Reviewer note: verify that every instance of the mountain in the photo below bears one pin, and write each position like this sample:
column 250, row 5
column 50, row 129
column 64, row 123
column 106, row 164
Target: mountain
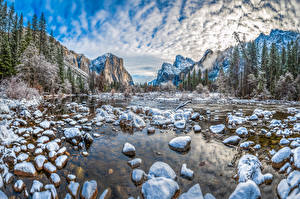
column 112, row 69
column 215, row 60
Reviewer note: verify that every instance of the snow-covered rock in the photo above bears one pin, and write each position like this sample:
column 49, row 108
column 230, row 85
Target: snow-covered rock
column 186, row 172
column 134, row 163
column 89, row 190
column 180, row 124
column 19, row 186
column 241, row 131
column 7, row 136
column 161, row 169
column 138, row 176
column 296, row 127
column 128, row 149
column 232, row 140
column 61, row 161
column 193, row 193
column 49, row 167
column 247, row 144
column 160, row 187
column 73, row 188
column 281, row 157
column 45, row 124
column 197, row 128
column 39, row 162
column 72, row 133
column 55, row 179
column 181, row 143
column 283, row 189
column 217, row 128
column 25, row 169
column 246, row 190
column 42, row 195
column 296, row 155
column 293, row 179
column 36, row 186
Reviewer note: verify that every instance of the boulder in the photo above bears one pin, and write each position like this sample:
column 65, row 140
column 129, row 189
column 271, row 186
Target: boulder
column 281, row 157
column 180, row 144
column 246, row 190
column 193, row 193
column 89, row 190
column 161, row 169
column 217, row 128
column 128, row 149
column 160, row 187
column 25, row 169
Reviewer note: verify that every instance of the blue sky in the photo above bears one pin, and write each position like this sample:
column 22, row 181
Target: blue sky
column 148, row 33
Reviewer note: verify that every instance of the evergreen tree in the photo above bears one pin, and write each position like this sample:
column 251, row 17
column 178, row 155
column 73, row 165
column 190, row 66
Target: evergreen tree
column 14, row 42
column 206, row 80
column 199, row 80
column 283, row 61
column 6, row 68
column 60, row 63
column 10, row 23
column 272, row 68
column 189, row 81
column 264, row 58
column 34, row 27
column 253, row 58
column 234, row 69
column 194, row 80
column 43, row 36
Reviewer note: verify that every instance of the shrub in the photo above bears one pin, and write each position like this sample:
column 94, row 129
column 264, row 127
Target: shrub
column 15, row 88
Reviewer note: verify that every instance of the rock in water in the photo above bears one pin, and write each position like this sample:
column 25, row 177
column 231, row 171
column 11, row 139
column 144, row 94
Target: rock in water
column 71, row 133
column 73, row 188
column 181, row 143
column 217, row 128
column 159, row 188
column 283, row 189
column 242, row 131
column 138, row 176
column 136, row 162
column 42, row 195
column 296, row 163
column 161, row 169
column 19, row 186
column 128, row 149
column 180, row 124
column 25, row 169
column 246, row 190
column 89, row 190
column 193, row 193
column 106, row 194
column 232, row 140
column 186, row 172
column 281, row 157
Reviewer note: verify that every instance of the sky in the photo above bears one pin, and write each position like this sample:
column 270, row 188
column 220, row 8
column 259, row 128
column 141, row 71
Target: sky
column 146, row 33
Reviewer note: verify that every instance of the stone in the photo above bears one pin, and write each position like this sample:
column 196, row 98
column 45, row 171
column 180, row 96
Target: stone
column 181, row 143
column 241, row 131
column 281, row 157
column 71, row 133
column 151, row 130
column 180, row 124
column 106, row 194
column 19, row 186
column 128, row 149
column 186, row 172
column 283, row 189
column 55, row 179
column 234, row 140
column 134, row 163
column 39, row 162
column 217, row 128
column 138, row 176
column 293, row 179
column 71, row 177
column 45, row 124
column 42, row 195
column 36, row 186
column 197, row 128
column 61, row 161
column 160, row 187
column 161, row 169
column 49, row 167
column 73, row 188
column 296, row 156
column 193, row 193
column 246, row 190
column 25, row 169
column 89, row 190
column 52, row 146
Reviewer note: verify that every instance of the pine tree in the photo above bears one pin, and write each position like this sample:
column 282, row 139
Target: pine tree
column 221, row 81
column 34, row 27
column 6, row 68
column 189, row 81
column 43, row 36
column 60, row 63
column 234, row 69
column 264, row 58
column 21, row 38
column 199, row 80
column 273, row 68
column 253, row 58
column 11, row 17
column 14, row 42
column 194, row 83
column 283, row 61
column 206, row 80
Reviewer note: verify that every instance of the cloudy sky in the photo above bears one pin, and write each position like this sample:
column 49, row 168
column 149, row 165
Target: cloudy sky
column 148, row 33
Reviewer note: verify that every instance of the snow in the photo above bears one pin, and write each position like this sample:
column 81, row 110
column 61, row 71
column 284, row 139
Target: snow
column 249, row 168
column 209, row 196
column 161, row 169
column 242, row 131
column 106, row 193
column 284, row 141
column 296, row 127
column 246, row 190
column 181, row 143
column 193, row 193
column 42, row 139
column 22, row 157
column 232, row 140
column 128, row 149
column 52, row 146
column 160, row 188
column 247, row 144
column 25, row 169
column 19, row 185
column 7, row 136
column 235, row 120
column 217, row 128
column 280, row 157
column 89, row 189
column 186, row 172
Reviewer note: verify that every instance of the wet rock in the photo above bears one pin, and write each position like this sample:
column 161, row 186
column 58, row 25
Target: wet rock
column 73, row 188
column 71, row 177
column 181, row 143
column 281, row 157
column 162, row 188
column 193, row 193
column 241, row 131
column 197, row 128
column 61, row 161
column 128, row 149
column 138, row 176
column 186, row 172
column 49, row 167
column 161, row 169
column 25, row 169
column 249, row 168
column 151, row 130
column 19, row 186
column 284, row 141
column 246, row 190
column 36, row 186
column 296, row 127
column 55, row 179
column 180, row 124
column 106, row 194
column 283, row 189
column 88, row 139
column 89, row 190
column 42, row 195
column 217, row 128
column 234, row 140
column 39, row 162
column 296, row 156
column 134, row 163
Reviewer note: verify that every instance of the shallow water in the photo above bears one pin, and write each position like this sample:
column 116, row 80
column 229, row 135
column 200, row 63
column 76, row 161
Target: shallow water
column 213, row 163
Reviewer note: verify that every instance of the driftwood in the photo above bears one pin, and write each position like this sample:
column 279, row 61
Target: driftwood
column 183, row 105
